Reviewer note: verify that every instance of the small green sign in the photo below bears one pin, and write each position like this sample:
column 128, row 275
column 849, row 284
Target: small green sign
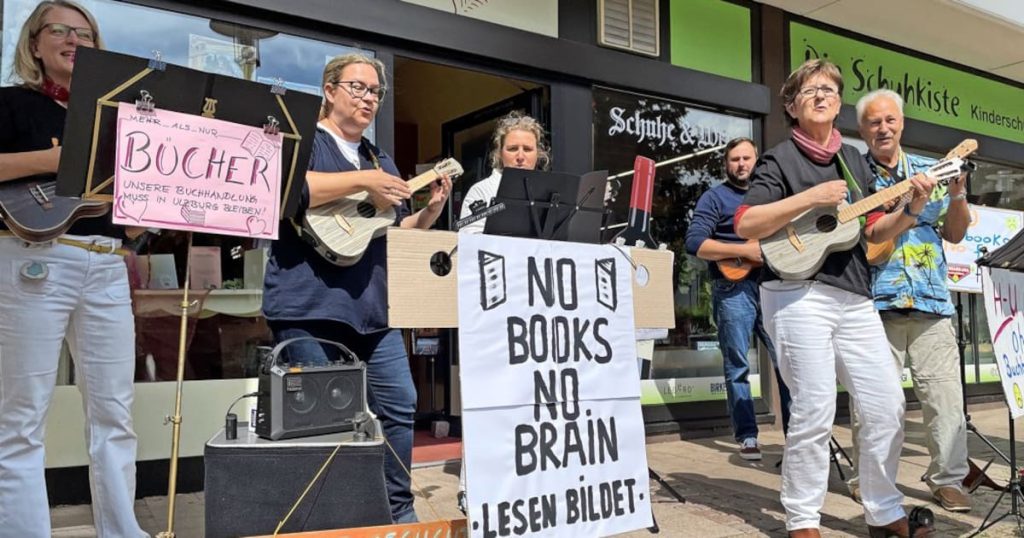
column 711, row 36
column 933, row 93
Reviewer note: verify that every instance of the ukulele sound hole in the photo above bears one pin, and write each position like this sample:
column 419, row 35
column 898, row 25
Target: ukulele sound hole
column 366, row 210
column 826, row 223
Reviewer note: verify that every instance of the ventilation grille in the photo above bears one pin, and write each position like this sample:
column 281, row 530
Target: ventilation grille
column 629, row 24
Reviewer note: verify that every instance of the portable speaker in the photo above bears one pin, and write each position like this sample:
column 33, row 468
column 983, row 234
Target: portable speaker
column 309, row 400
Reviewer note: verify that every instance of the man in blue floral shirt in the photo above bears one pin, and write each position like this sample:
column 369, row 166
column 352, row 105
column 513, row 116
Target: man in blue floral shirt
column 913, row 299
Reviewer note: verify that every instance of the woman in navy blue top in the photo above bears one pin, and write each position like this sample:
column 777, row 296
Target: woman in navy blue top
column 306, row 295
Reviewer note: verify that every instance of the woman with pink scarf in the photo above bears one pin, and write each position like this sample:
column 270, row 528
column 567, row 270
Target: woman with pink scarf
column 827, row 326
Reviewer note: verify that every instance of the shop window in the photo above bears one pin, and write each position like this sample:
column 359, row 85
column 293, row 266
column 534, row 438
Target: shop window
column 630, row 25
column 687, row 365
column 225, row 326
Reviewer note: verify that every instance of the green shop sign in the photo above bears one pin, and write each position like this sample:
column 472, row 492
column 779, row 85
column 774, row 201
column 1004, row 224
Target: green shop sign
column 933, row 93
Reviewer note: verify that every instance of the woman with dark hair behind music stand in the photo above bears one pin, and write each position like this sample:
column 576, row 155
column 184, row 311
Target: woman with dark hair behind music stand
column 74, row 287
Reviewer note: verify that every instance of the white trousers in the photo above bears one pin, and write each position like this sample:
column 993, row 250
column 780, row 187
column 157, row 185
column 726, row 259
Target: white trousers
column 84, row 297
column 820, row 332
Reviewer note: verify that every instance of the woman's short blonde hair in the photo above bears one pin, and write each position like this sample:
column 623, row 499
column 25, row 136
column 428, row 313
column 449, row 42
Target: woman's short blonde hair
column 797, row 78
column 333, row 69
column 29, row 69
column 517, row 121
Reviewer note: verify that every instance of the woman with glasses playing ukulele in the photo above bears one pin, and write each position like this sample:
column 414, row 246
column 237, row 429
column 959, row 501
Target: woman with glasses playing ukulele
column 825, row 325
column 72, row 287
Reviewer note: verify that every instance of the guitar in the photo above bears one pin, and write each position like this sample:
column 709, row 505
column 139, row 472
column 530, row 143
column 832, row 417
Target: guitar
column 736, row 269
column 342, row 229
column 32, row 210
column 879, row 253
column 797, row 250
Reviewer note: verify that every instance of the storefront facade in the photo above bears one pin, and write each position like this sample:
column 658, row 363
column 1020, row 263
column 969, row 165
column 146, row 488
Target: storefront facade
column 711, row 73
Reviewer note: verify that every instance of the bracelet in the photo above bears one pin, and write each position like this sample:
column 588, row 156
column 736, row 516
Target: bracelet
column 958, row 197
column 909, row 213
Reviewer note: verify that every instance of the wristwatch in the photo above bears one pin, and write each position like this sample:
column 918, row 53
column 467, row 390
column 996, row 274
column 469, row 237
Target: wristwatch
column 958, row 197
column 909, row 213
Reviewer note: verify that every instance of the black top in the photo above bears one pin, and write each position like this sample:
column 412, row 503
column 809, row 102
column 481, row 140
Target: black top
column 301, row 285
column 29, row 121
column 784, row 171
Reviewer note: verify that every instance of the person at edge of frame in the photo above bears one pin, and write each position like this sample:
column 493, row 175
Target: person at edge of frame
column 73, row 288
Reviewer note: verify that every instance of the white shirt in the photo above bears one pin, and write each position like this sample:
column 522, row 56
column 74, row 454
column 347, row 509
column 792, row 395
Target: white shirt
column 349, row 150
column 482, row 191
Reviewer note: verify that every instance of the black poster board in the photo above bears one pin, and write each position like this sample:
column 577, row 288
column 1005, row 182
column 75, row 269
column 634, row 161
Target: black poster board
column 549, row 205
column 103, row 79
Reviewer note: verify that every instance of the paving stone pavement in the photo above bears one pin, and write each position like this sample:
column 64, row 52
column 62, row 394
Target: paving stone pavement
column 726, row 496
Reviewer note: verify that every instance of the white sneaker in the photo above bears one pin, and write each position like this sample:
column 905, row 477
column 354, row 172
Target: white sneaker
column 749, row 449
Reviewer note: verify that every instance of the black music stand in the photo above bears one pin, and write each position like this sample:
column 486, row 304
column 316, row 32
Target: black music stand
column 1011, row 257
column 549, row 205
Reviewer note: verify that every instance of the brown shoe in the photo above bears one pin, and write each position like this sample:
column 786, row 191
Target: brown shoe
column 953, row 499
column 805, row 533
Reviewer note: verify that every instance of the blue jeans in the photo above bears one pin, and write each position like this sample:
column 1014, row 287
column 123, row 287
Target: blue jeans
column 737, row 312
column 391, row 393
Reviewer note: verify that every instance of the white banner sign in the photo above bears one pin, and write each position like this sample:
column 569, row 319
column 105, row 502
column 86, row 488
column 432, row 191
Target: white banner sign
column 990, row 228
column 552, row 429
column 1004, row 295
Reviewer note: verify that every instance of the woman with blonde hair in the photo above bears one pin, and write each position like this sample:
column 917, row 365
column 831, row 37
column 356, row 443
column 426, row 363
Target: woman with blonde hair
column 74, row 288
column 518, row 142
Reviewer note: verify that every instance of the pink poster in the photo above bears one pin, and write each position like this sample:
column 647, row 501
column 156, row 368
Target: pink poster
column 185, row 172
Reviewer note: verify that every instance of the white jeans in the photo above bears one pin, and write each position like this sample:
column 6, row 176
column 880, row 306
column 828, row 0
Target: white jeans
column 820, row 332
column 84, row 297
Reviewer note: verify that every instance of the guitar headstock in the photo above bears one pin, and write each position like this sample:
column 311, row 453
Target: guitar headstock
column 448, row 167
column 952, row 165
column 963, row 149
column 946, row 170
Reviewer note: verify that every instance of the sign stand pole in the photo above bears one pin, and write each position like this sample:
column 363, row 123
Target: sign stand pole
column 1013, row 488
column 175, row 420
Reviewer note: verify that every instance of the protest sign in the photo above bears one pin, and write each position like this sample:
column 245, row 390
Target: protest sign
column 1004, row 295
column 552, row 428
column 191, row 173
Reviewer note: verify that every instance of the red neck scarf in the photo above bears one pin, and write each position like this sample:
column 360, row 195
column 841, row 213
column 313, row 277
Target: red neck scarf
column 55, row 91
column 815, row 151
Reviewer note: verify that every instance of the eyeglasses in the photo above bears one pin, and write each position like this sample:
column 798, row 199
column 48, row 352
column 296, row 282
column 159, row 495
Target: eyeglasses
column 827, row 92
column 358, row 90
column 61, row 31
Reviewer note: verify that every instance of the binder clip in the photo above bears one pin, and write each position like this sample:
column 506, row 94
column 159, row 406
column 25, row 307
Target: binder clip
column 272, row 127
column 156, row 63
column 278, row 87
column 145, row 103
